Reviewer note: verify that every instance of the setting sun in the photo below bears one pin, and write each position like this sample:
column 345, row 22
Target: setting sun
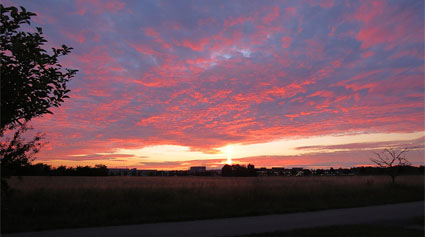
column 229, row 154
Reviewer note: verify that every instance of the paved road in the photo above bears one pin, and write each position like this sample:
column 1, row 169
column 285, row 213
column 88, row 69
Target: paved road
column 248, row 225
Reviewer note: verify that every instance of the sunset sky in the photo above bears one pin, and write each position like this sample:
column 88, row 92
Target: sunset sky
column 173, row 84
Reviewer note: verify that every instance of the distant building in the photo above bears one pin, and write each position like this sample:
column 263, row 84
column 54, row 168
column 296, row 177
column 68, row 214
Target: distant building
column 262, row 171
column 213, row 172
column 296, row 171
column 278, row 171
column 119, row 171
column 129, row 172
column 197, row 169
column 163, row 173
column 146, row 172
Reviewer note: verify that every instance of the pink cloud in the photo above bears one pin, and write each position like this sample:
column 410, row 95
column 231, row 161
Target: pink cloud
column 324, row 93
column 231, row 21
column 286, row 42
column 409, row 53
column 149, row 121
column 367, row 11
column 43, row 18
column 98, row 6
column 368, row 54
column 326, row 4
column 272, row 16
column 290, row 11
column 382, row 26
column 196, row 46
column 78, row 37
column 152, row 33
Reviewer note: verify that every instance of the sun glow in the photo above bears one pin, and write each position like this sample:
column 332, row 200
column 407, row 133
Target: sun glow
column 229, row 154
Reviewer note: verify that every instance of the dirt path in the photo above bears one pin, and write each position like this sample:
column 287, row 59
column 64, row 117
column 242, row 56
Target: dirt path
column 248, row 225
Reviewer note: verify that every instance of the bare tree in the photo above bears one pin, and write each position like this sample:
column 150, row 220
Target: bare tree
column 392, row 159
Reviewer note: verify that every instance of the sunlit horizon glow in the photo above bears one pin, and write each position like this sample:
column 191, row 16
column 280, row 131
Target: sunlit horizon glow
column 171, row 157
column 166, row 85
column 229, row 154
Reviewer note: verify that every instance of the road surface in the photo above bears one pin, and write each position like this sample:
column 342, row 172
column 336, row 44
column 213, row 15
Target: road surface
column 248, row 225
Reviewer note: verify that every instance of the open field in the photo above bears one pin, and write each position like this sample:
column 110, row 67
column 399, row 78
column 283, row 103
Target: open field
column 41, row 203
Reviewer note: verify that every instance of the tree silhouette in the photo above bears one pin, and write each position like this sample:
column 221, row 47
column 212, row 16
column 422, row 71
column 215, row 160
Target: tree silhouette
column 238, row 170
column 227, row 171
column 392, row 159
column 32, row 81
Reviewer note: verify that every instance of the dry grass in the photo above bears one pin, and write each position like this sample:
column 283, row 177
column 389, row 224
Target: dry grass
column 65, row 202
column 76, row 182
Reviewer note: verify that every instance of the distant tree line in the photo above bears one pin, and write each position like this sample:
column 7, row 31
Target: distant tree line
column 41, row 169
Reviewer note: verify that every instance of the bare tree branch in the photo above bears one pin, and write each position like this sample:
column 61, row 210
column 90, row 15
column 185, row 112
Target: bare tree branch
column 391, row 158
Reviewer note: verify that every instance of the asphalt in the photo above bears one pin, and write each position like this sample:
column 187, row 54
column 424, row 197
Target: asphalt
column 247, row 225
